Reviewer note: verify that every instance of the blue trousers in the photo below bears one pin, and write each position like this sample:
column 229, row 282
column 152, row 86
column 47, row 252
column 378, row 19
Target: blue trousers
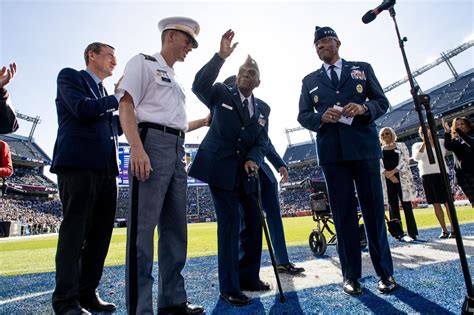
column 271, row 205
column 340, row 179
column 239, row 238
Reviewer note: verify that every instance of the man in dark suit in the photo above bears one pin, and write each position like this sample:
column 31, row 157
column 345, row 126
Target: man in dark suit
column 85, row 160
column 227, row 158
column 271, row 203
column 340, row 102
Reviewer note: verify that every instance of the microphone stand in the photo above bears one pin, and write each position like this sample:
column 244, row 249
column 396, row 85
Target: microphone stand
column 423, row 101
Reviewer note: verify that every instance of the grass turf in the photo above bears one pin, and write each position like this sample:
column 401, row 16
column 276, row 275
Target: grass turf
column 36, row 254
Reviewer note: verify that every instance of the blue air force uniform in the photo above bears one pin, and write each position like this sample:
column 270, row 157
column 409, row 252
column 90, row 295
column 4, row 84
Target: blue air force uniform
column 348, row 154
column 232, row 140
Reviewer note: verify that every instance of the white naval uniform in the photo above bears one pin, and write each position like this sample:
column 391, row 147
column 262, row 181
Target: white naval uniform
column 160, row 201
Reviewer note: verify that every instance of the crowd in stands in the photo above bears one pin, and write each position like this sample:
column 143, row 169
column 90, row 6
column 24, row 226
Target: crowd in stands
column 31, row 177
column 122, row 203
column 38, row 216
column 45, row 215
column 200, row 207
column 299, row 173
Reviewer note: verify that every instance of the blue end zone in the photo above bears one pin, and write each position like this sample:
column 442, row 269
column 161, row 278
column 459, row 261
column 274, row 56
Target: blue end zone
column 437, row 287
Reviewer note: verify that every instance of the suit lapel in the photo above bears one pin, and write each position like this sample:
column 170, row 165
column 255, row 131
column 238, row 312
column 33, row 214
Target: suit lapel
column 323, row 77
column 256, row 111
column 344, row 72
column 238, row 105
column 93, row 88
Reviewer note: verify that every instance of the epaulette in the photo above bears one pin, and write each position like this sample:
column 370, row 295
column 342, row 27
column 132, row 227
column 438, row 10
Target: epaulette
column 148, row 57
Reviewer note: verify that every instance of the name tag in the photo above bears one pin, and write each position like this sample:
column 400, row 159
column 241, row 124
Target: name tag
column 164, row 75
column 227, row 106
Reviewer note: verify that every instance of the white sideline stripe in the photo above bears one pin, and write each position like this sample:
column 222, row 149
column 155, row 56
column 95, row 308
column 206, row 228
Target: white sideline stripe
column 25, row 297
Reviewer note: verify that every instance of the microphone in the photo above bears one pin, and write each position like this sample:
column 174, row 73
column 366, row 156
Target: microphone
column 372, row 14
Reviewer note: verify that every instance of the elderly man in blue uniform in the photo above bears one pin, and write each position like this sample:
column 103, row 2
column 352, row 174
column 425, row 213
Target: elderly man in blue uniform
column 227, row 158
column 85, row 160
column 271, row 203
column 154, row 121
column 340, row 102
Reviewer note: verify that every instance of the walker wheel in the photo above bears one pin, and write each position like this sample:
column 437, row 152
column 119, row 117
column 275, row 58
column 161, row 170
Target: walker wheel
column 317, row 243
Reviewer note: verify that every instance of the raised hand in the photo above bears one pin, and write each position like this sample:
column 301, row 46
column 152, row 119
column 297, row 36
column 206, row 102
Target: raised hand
column 6, row 75
column 446, row 126
column 227, row 47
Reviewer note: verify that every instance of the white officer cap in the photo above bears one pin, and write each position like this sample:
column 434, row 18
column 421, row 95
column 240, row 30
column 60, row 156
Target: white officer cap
column 186, row 25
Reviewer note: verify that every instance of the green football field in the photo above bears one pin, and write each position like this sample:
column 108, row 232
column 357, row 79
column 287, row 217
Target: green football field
column 36, row 254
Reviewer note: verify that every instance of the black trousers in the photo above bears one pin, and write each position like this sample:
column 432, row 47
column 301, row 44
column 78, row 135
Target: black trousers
column 89, row 201
column 394, row 192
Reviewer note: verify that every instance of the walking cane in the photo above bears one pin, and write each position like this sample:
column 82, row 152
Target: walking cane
column 267, row 237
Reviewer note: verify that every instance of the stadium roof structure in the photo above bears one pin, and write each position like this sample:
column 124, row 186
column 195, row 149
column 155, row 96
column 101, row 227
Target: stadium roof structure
column 26, row 152
column 451, row 96
column 300, row 152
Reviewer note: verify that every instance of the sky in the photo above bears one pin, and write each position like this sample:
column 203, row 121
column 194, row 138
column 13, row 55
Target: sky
column 43, row 37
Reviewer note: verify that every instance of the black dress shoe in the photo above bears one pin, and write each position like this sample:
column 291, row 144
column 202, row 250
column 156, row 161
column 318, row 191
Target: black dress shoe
column 181, row 309
column 352, row 287
column 258, row 286
column 387, row 285
column 289, row 268
column 94, row 303
column 74, row 310
column 238, row 299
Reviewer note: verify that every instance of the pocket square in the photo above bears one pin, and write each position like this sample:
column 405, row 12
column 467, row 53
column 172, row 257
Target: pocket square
column 227, row 106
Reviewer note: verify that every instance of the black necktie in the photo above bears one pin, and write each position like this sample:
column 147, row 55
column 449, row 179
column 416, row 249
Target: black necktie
column 334, row 78
column 101, row 89
column 246, row 109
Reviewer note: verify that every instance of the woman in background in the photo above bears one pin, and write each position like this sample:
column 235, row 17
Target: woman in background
column 460, row 139
column 432, row 180
column 397, row 180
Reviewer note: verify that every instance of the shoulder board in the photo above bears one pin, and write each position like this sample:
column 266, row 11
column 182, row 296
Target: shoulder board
column 148, row 57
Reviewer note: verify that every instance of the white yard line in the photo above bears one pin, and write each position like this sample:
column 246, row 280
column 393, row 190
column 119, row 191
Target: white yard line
column 25, row 297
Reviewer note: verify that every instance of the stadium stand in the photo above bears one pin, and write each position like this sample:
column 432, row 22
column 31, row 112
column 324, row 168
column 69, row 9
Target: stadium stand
column 449, row 99
column 32, row 198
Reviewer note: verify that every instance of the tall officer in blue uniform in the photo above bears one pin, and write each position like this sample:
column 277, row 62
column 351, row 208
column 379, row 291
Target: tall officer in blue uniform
column 340, row 102
column 85, row 160
column 232, row 150
column 271, row 203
